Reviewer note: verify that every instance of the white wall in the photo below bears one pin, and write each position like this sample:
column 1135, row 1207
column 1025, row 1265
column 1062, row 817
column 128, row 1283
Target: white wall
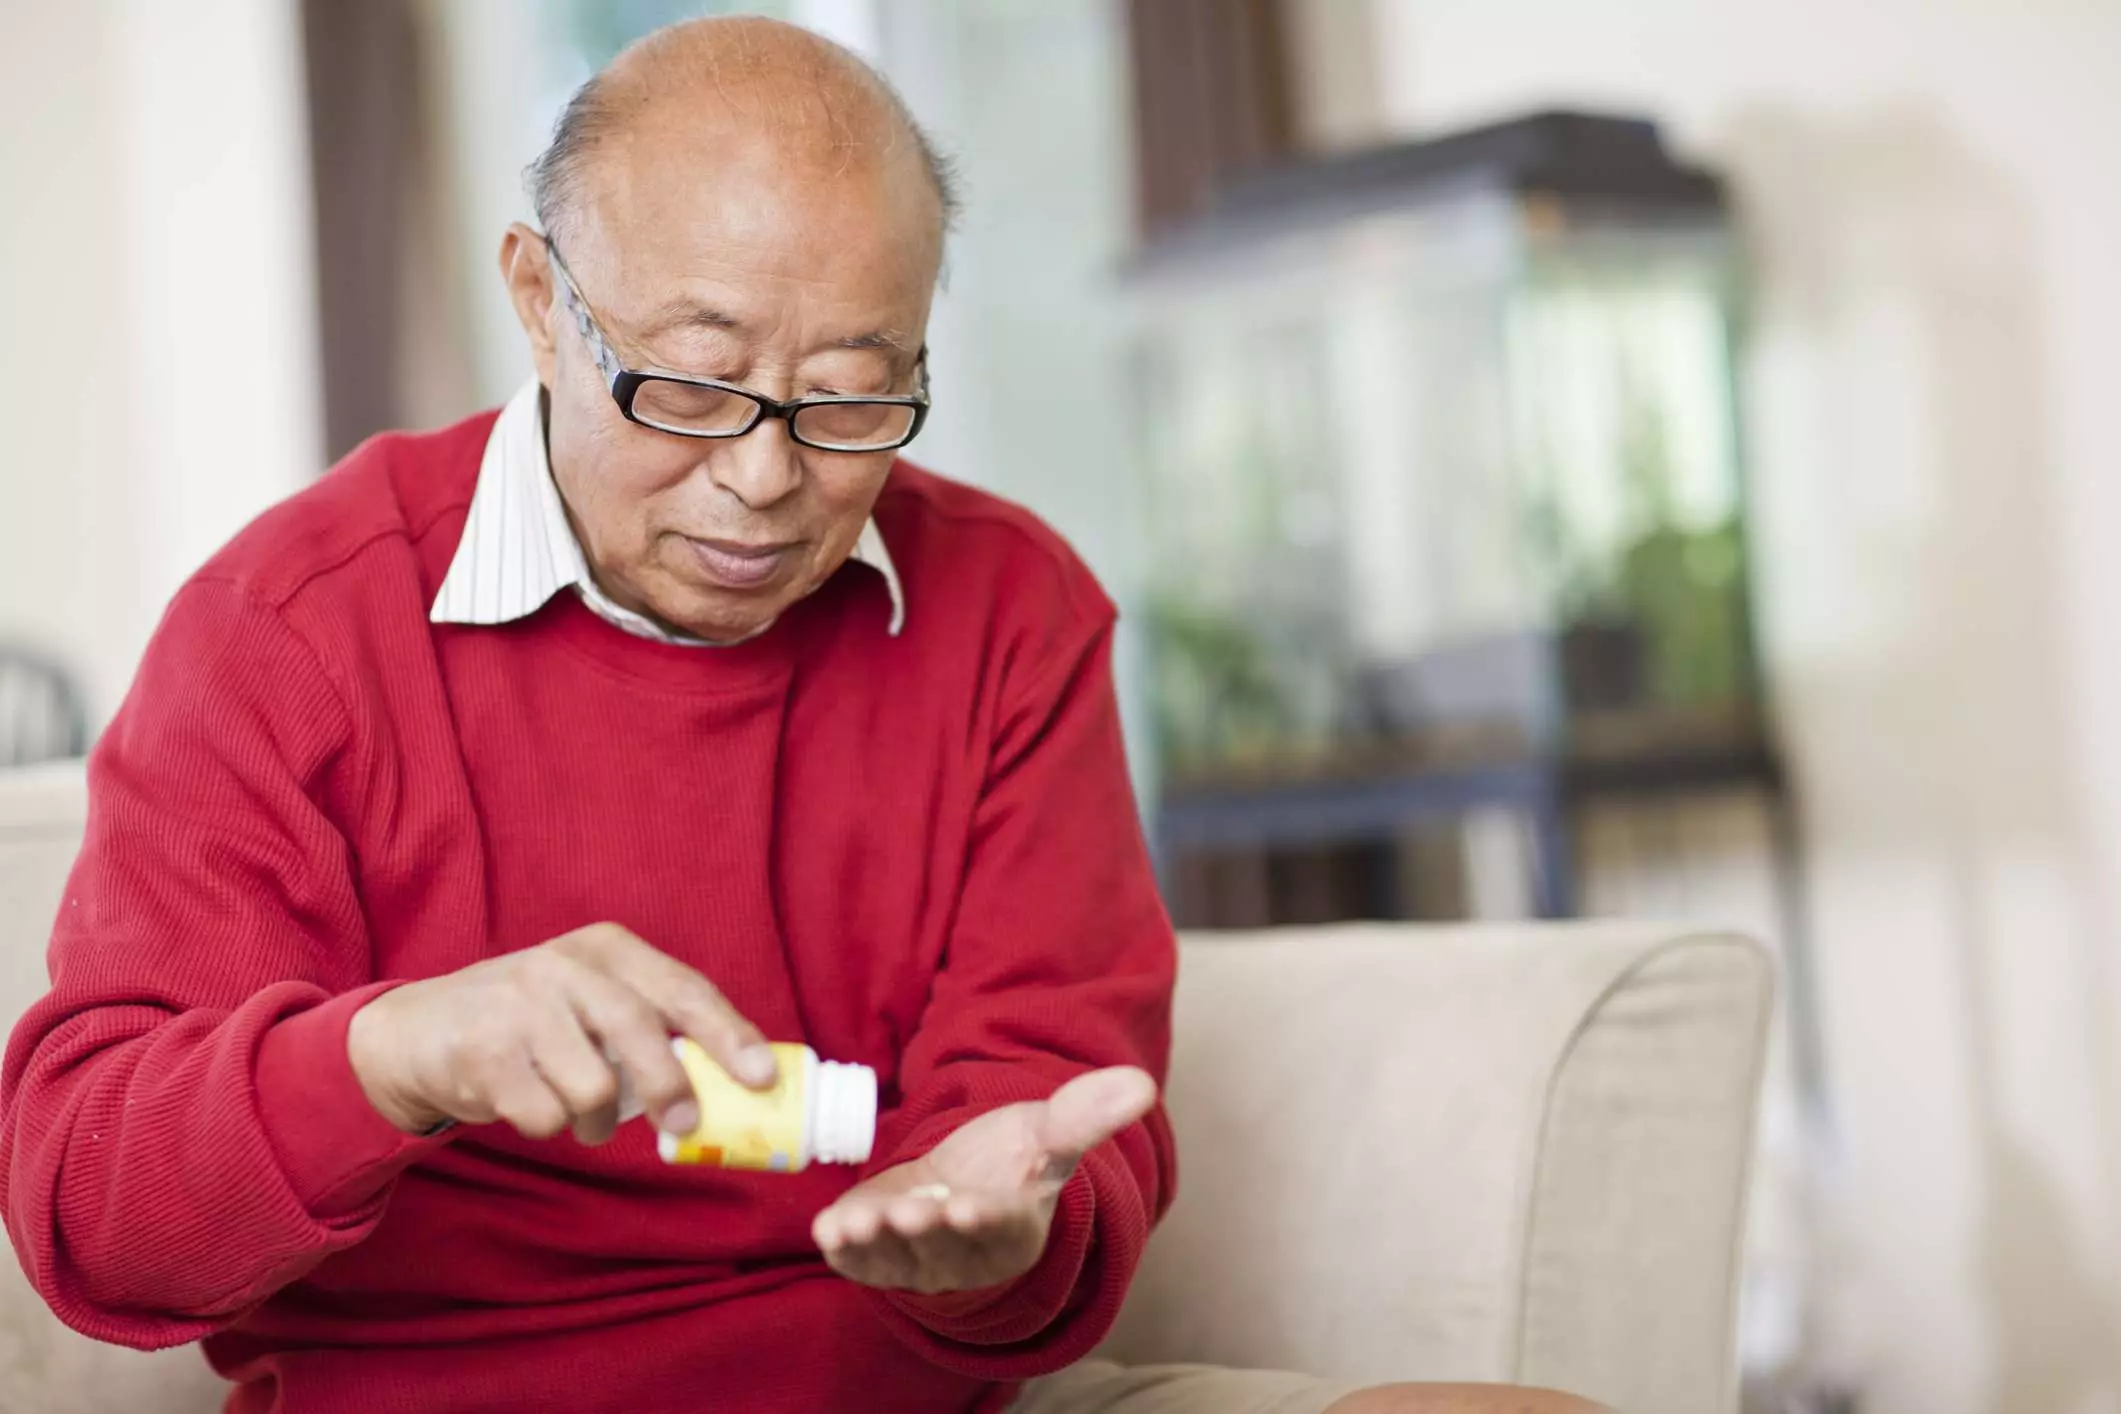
column 1931, row 193
column 158, row 384
column 63, row 467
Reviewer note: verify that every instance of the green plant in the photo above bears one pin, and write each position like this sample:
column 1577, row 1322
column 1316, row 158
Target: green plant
column 1682, row 587
column 1215, row 693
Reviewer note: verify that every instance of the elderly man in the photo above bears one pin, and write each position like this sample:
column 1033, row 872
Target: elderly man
column 664, row 702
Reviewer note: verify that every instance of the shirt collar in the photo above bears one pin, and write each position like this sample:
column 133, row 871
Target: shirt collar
column 518, row 549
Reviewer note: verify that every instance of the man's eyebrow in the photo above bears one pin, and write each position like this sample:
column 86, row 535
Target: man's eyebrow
column 682, row 314
column 878, row 339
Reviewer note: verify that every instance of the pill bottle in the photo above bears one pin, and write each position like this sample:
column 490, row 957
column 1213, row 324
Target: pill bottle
column 815, row 1112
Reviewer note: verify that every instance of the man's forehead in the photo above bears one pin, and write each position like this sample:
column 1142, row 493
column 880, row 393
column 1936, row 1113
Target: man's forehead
column 746, row 178
column 742, row 265
column 754, row 198
column 761, row 139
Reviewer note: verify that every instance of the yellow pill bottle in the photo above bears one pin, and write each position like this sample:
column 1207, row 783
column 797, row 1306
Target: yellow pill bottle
column 816, row 1112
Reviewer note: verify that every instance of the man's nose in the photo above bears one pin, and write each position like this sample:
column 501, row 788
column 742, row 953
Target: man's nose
column 758, row 468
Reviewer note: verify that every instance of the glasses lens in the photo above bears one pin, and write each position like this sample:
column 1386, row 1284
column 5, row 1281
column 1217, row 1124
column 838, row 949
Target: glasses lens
column 687, row 407
column 854, row 427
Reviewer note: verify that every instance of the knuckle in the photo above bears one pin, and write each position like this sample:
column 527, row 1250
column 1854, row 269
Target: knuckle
column 487, row 1053
column 535, row 1117
column 634, row 1019
column 487, row 1080
column 608, row 938
column 598, row 1088
column 463, row 1067
column 546, row 1125
column 544, row 971
column 639, row 1041
column 585, row 942
column 471, row 1101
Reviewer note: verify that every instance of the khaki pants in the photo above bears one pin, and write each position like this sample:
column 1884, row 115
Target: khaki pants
column 1098, row 1387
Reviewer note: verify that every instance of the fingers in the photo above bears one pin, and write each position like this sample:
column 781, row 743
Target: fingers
column 541, row 1074
column 883, row 1259
column 521, row 1097
column 884, row 1221
column 913, row 1215
column 597, row 1128
column 686, row 1001
column 928, row 1241
column 978, row 1210
column 860, row 1244
column 967, row 1213
column 634, row 1036
column 571, row 1064
column 540, row 1038
column 610, row 1002
column 591, row 1005
column 1088, row 1110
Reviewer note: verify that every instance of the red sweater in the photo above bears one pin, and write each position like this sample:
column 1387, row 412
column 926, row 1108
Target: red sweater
column 920, row 853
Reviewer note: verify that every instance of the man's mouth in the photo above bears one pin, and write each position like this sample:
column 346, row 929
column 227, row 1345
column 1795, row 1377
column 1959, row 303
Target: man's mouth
column 736, row 564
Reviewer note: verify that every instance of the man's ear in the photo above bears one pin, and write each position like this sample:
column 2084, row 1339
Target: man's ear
column 526, row 269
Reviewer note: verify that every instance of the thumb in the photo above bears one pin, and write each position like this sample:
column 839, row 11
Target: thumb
column 1092, row 1108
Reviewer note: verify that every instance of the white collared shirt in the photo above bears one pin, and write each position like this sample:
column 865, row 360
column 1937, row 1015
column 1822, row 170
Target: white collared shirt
column 518, row 549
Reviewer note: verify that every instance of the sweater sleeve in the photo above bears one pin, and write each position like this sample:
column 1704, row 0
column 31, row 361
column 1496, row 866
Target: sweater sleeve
column 181, row 1132
column 1061, row 961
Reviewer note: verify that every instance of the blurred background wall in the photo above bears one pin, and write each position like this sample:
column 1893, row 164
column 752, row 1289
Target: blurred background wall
column 209, row 293
column 1931, row 376
column 159, row 377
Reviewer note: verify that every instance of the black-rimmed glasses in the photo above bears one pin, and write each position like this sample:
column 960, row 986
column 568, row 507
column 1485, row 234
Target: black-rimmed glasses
column 708, row 407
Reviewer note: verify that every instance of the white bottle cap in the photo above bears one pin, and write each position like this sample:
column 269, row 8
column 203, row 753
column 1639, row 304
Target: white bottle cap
column 843, row 1113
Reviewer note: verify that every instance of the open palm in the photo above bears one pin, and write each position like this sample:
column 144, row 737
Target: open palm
column 975, row 1210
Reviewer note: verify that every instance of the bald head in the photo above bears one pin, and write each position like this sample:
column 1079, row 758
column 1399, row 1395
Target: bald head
column 742, row 82
column 734, row 208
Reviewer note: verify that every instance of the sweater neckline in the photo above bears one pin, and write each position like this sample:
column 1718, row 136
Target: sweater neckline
column 758, row 661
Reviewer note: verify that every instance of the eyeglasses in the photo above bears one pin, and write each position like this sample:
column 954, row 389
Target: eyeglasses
column 708, row 407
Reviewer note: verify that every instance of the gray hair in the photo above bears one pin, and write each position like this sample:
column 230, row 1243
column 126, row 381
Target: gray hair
column 555, row 178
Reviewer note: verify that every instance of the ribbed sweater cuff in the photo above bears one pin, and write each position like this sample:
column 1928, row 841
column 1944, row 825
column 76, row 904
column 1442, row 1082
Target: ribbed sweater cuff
column 338, row 1153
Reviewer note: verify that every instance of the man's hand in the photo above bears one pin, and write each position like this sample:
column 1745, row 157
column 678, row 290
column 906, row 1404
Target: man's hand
column 974, row 1212
column 529, row 1038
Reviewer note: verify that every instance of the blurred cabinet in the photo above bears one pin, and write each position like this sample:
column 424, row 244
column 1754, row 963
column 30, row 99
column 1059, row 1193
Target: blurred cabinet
column 1446, row 517
column 1442, row 455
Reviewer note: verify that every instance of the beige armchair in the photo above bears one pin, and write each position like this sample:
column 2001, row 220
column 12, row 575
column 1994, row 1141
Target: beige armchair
column 1493, row 1153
